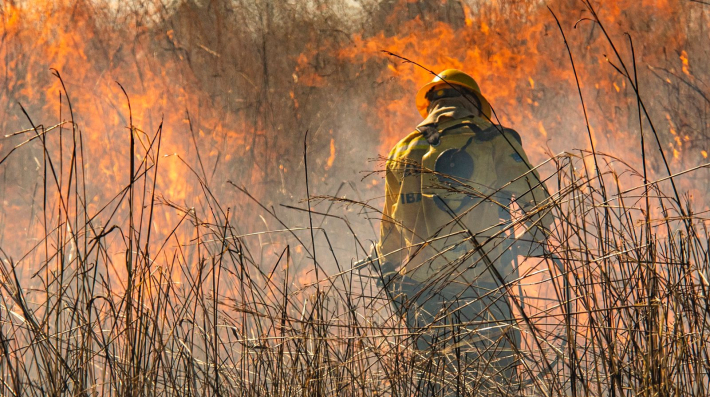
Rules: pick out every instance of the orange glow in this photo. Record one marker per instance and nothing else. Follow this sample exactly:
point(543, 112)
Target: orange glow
point(467, 16)
point(684, 60)
point(67, 37)
point(513, 65)
point(515, 53)
point(331, 158)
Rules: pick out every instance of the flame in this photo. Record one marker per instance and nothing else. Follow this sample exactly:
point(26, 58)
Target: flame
point(331, 158)
point(467, 16)
point(514, 65)
point(516, 54)
point(91, 57)
point(685, 65)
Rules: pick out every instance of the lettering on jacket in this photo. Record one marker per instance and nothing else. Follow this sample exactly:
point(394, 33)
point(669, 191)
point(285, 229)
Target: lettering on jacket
point(410, 198)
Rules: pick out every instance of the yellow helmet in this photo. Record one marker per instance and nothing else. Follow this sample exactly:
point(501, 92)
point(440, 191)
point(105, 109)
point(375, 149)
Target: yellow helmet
point(453, 77)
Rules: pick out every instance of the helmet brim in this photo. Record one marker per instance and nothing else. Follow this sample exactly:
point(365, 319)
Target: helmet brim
point(423, 103)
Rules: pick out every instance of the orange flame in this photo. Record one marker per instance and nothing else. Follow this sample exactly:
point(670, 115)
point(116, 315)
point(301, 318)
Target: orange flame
point(515, 52)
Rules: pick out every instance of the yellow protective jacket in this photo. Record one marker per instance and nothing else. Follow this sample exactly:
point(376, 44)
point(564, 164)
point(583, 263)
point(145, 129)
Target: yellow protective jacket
point(445, 203)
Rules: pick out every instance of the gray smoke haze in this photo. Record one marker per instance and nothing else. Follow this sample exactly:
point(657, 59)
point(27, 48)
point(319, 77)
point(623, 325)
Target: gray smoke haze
point(237, 84)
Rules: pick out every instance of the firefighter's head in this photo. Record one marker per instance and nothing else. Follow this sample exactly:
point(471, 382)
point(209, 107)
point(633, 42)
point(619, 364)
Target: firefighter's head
point(451, 83)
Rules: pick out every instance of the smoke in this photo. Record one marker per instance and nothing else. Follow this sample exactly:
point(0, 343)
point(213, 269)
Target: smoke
point(237, 84)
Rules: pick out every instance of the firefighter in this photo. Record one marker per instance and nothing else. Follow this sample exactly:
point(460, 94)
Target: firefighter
point(446, 252)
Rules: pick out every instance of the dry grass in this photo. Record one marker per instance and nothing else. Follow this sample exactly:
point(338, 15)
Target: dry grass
point(617, 306)
point(106, 304)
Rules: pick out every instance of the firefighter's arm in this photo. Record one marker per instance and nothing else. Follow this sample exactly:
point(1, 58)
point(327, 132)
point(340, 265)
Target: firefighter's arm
point(513, 166)
point(390, 247)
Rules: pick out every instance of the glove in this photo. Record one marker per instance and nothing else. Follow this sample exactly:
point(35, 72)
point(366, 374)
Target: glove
point(384, 271)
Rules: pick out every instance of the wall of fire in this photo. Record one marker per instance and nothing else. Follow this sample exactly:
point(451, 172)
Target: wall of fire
point(238, 83)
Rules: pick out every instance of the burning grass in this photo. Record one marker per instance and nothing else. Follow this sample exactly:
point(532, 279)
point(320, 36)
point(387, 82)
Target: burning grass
point(618, 304)
point(110, 302)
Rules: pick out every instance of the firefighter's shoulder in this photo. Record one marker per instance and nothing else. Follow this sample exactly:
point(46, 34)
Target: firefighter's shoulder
point(512, 134)
point(489, 131)
point(413, 142)
point(509, 152)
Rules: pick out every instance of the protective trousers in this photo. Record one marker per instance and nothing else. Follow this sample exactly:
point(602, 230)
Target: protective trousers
point(468, 333)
